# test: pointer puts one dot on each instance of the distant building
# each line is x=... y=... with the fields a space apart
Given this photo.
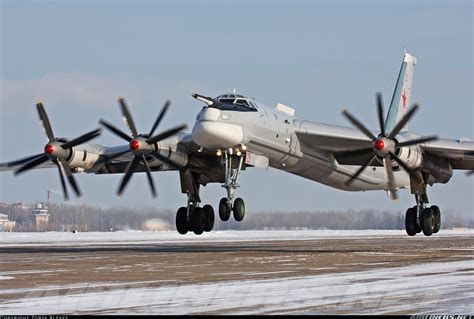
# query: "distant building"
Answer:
x=5 y=223
x=40 y=215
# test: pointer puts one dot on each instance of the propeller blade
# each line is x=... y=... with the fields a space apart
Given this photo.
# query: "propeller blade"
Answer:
x=63 y=183
x=357 y=152
x=108 y=157
x=403 y=121
x=405 y=167
x=391 y=179
x=40 y=160
x=24 y=160
x=358 y=124
x=127 y=117
x=45 y=121
x=163 y=111
x=360 y=170
x=115 y=130
x=380 y=113
x=150 y=179
x=128 y=173
x=166 y=160
x=70 y=177
x=416 y=141
x=82 y=139
x=166 y=134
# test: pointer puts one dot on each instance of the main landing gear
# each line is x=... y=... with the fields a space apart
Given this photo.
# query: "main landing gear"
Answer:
x=198 y=220
x=422 y=217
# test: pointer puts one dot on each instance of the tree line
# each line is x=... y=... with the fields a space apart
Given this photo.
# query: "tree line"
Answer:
x=68 y=217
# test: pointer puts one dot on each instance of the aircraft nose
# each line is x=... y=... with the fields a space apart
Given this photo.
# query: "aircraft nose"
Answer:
x=209 y=114
x=209 y=132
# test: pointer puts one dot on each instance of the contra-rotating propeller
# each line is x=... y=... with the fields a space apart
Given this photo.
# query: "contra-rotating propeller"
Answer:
x=142 y=145
x=57 y=151
x=385 y=145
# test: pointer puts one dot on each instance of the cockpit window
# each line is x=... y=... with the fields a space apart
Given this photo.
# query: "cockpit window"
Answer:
x=228 y=101
x=235 y=102
x=241 y=102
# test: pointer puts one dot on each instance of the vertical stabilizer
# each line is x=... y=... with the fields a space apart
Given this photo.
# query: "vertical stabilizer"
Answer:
x=402 y=93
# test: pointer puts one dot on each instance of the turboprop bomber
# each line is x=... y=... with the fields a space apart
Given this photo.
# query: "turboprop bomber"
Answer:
x=233 y=133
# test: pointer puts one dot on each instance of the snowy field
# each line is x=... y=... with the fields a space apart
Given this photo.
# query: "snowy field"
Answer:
x=379 y=281
x=146 y=237
x=394 y=290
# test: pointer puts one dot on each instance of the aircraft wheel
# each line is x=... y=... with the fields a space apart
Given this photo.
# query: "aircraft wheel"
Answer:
x=428 y=222
x=239 y=209
x=197 y=220
x=417 y=225
x=410 y=222
x=208 y=218
x=437 y=218
x=181 y=223
x=224 y=209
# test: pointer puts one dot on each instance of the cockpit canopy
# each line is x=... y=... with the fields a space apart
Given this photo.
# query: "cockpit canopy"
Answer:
x=235 y=102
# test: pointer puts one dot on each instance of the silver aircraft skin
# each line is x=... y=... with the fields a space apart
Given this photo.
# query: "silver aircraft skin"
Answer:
x=233 y=132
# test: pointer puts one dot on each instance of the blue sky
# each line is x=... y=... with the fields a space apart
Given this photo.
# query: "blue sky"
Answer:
x=316 y=56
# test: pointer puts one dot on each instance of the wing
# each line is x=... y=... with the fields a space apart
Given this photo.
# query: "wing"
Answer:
x=459 y=153
x=339 y=140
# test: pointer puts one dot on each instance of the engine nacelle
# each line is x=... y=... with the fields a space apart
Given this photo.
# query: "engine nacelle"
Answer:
x=170 y=149
x=411 y=155
x=81 y=159
x=439 y=169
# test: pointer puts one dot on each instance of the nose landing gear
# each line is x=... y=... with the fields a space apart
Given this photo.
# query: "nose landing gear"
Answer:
x=232 y=176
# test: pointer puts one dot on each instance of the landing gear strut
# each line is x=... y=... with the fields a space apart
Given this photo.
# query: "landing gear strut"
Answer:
x=193 y=217
x=422 y=217
x=232 y=176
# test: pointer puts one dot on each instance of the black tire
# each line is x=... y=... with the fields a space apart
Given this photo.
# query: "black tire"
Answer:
x=197 y=220
x=208 y=218
x=239 y=209
x=410 y=222
x=224 y=209
x=417 y=225
x=181 y=223
x=428 y=223
x=437 y=218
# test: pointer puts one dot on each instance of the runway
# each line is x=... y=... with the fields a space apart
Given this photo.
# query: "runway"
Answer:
x=237 y=272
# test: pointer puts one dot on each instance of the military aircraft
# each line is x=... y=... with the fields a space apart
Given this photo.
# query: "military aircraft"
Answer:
x=233 y=132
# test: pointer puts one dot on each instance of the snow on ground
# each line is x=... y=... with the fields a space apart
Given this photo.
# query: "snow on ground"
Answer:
x=146 y=237
x=423 y=288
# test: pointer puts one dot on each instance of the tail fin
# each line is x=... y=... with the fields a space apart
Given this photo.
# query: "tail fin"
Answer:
x=401 y=96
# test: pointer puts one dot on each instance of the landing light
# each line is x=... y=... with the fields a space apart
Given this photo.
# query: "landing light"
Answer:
x=238 y=153
x=219 y=153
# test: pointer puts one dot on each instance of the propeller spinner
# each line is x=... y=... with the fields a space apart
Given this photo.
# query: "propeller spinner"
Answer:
x=57 y=152
x=142 y=145
x=384 y=145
